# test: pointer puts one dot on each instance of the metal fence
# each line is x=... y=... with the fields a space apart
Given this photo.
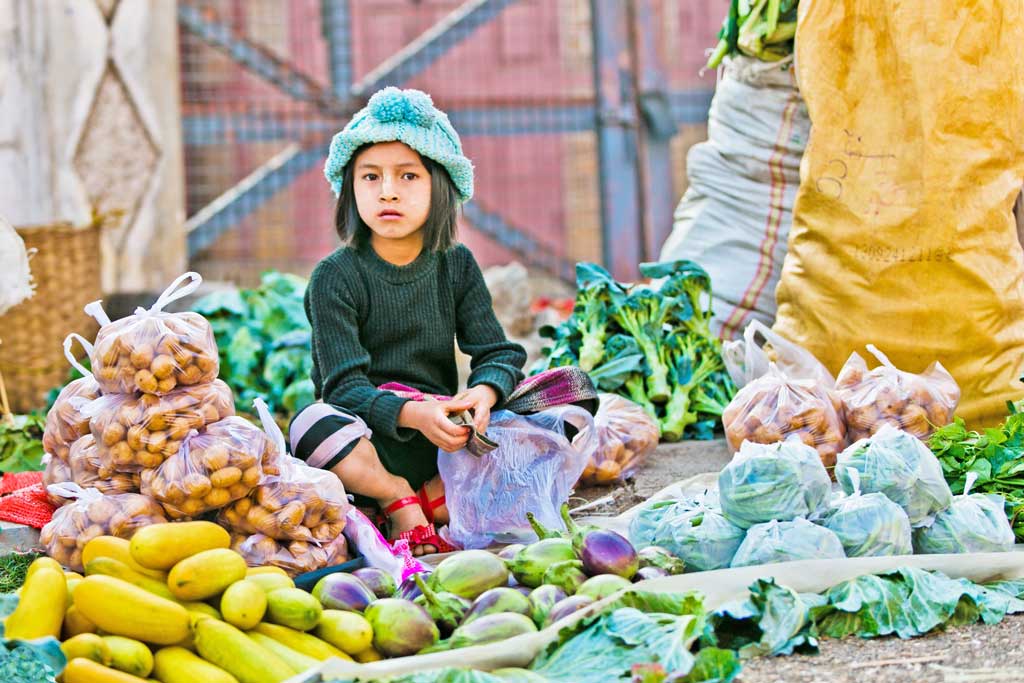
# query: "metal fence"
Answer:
x=576 y=113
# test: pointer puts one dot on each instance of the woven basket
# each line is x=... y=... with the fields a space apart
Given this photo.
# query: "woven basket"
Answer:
x=66 y=271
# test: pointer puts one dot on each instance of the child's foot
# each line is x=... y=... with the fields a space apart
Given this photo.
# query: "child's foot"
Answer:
x=406 y=518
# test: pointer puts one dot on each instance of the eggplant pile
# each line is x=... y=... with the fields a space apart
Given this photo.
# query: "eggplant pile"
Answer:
x=475 y=597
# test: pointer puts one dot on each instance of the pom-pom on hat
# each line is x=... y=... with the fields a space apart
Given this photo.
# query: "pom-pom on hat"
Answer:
x=407 y=116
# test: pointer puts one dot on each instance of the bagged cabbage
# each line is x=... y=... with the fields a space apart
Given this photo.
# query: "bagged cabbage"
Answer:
x=872 y=399
x=897 y=464
x=774 y=407
x=299 y=503
x=152 y=351
x=973 y=523
x=65 y=422
x=86 y=469
x=93 y=514
x=868 y=524
x=626 y=435
x=700 y=536
x=139 y=431
x=295 y=557
x=779 y=481
x=215 y=467
x=787 y=542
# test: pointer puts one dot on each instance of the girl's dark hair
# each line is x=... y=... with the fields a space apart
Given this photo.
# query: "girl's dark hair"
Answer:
x=440 y=228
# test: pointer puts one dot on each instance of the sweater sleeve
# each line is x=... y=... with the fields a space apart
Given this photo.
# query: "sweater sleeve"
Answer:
x=341 y=360
x=496 y=361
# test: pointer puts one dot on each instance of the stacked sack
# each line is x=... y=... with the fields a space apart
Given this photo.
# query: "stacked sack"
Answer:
x=154 y=421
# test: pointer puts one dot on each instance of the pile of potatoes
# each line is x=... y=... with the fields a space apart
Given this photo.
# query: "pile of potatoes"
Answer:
x=294 y=557
x=154 y=353
x=139 y=431
x=626 y=434
x=918 y=404
x=299 y=504
x=94 y=515
x=771 y=408
x=221 y=464
x=66 y=421
x=86 y=468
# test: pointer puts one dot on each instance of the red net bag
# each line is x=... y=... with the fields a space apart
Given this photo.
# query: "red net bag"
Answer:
x=155 y=352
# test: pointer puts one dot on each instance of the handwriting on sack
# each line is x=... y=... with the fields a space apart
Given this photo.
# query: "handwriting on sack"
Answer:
x=864 y=177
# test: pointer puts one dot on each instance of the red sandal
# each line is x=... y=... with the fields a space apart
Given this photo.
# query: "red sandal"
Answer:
x=429 y=505
x=424 y=534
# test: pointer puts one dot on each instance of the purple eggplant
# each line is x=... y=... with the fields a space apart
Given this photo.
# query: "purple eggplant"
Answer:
x=564 y=608
x=645 y=573
x=498 y=601
x=603 y=585
x=469 y=573
x=491 y=628
x=377 y=580
x=602 y=551
x=400 y=627
x=509 y=551
x=568 y=576
x=343 y=591
x=446 y=609
x=542 y=599
x=409 y=589
x=656 y=556
x=525 y=590
x=530 y=563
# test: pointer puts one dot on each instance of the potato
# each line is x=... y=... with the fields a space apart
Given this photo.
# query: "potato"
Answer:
x=66 y=422
x=296 y=557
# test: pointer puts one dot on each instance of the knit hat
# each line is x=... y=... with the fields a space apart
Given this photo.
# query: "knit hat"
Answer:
x=407 y=116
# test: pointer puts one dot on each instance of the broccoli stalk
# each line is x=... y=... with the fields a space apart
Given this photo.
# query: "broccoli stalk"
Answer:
x=691 y=369
x=591 y=321
x=712 y=397
x=637 y=394
x=643 y=316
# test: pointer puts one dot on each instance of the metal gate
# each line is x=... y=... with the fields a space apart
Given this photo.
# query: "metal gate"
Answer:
x=576 y=113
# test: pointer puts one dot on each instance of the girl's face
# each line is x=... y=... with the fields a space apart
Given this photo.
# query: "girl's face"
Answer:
x=392 y=190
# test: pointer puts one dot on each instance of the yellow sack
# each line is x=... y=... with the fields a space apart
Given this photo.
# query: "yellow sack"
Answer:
x=903 y=234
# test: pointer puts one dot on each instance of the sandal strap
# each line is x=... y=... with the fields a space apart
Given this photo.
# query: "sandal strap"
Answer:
x=426 y=534
x=401 y=503
x=429 y=505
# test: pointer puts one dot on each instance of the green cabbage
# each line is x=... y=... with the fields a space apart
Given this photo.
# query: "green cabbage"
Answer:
x=974 y=523
x=787 y=542
x=696 y=534
x=869 y=525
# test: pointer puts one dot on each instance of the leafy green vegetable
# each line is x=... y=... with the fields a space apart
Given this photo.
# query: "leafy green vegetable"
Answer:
x=12 y=570
x=995 y=455
x=772 y=621
x=264 y=342
x=651 y=345
x=763 y=29
x=21 y=446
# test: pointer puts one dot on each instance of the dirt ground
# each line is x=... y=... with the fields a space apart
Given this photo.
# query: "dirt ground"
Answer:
x=971 y=654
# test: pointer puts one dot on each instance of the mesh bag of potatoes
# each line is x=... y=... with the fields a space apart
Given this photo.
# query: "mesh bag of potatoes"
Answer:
x=93 y=514
x=917 y=404
x=294 y=557
x=134 y=432
x=301 y=503
x=213 y=468
x=65 y=422
x=87 y=469
x=773 y=407
x=626 y=435
x=155 y=352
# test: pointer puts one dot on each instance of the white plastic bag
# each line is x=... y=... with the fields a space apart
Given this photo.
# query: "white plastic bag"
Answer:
x=532 y=470
x=749 y=358
x=735 y=216
x=868 y=525
x=67 y=419
x=15 y=277
x=973 y=523
x=787 y=542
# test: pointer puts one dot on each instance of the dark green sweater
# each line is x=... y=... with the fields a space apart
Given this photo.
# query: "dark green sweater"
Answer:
x=374 y=322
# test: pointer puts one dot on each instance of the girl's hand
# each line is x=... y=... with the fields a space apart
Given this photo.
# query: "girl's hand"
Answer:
x=482 y=398
x=431 y=418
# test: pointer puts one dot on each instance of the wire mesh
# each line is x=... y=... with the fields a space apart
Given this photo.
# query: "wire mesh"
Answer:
x=265 y=84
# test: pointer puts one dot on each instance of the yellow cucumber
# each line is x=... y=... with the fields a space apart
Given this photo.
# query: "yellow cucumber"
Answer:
x=76 y=624
x=129 y=656
x=71 y=581
x=88 y=645
x=41 y=562
x=205 y=574
x=119 y=608
x=82 y=670
x=296 y=660
x=270 y=581
x=118 y=549
x=267 y=570
x=243 y=604
x=369 y=655
x=178 y=665
x=161 y=546
x=229 y=648
x=294 y=608
x=41 y=606
x=347 y=631
x=72 y=575
x=202 y=608
x=108 y=566
x=301 y=642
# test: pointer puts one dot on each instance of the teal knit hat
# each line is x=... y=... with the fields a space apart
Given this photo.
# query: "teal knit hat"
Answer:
x=407 y=116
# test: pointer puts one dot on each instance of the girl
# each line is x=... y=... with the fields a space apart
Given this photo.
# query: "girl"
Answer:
x=387 y=307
